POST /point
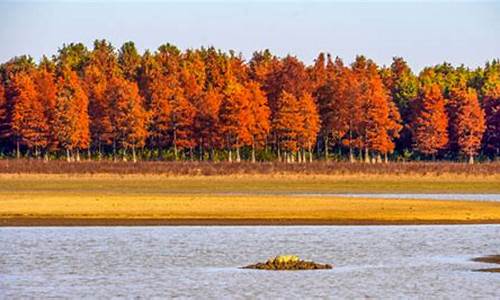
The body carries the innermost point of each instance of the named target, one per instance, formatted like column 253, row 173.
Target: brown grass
column 224, row 168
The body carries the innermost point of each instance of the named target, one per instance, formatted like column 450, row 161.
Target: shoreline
column 132, row 222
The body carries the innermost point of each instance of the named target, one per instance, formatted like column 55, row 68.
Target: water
column 466, row 197
column 202, row 262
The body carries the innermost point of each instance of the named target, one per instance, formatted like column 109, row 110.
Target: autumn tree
column 129, row 61
column 18, row 65
column 339, row 108
column 192, row 83
column 311, row 124
column 403, row 87
column 288, row 125
column 101, row 68
column 380, row 124
column 73, row 55
column 29, row 125
column 235, row 118
column 71, row 115
column 259, row 116
column 45, row 83
column 3, row 112
column 157, row 92
column 207, row 120
column 128, row 118
column 490, row 91
column 430, row 122
column 466, row 121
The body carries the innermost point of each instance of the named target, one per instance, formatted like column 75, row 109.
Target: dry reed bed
column 243, row 168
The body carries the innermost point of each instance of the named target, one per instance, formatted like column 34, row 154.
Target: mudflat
column 107, row 199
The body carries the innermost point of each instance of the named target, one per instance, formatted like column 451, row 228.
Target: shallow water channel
column 202, row 262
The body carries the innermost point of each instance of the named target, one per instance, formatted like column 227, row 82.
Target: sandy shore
column 73, row 209
column 68, row 222
column 107, row 199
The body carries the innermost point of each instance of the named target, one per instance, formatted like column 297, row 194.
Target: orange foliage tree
column 380, row 123
column 29, row 124
column 311, row 124
column 45, row 83
column 467, row 121
column 235, row 117
column 100, row 69
column 259, row 117
column 128, row 118
column 71, row 118
column 288, row 124
column 429, row 123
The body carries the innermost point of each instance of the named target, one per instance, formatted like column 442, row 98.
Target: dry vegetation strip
column 152, row 184
column 196, row 168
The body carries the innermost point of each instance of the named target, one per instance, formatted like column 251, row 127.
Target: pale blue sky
column 424, row 33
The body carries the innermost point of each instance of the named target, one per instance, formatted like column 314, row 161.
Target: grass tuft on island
column 288, row 263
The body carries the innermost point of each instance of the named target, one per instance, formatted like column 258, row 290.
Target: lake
column 202, row 262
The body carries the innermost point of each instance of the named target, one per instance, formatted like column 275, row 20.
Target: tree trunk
column 326, row 148
column 175, row 146
column 230, row 156
column 238, row 157
column 471, row 159
column 386, row 159
column 253, row 153
column 279, row 154
column 89, row 154
column 367, row 156
column 114, row 150
column 99, row 154
column 68, row 157
column 310, row 154
column 299, row 157
column 351, row 156
column 18, row 149
column 134, row 158
column 77, row 155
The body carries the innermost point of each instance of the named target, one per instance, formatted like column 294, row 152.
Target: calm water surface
column 467, row 197
column 202, row 262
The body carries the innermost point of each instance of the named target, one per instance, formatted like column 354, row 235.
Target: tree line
column 206, row 104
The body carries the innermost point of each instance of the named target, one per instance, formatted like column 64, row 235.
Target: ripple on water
column 371, row 261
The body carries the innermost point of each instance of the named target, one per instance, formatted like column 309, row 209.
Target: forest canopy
column 206, row 104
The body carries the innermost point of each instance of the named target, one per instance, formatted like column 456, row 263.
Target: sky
column 424, row 33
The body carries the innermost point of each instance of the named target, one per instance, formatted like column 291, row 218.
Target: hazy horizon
column 424, row 33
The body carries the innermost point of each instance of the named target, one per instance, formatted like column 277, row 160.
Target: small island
column 490, row 259
column 288, row 263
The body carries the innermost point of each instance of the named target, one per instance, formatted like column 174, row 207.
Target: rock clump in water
column 491, row 259
column 288, row 262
